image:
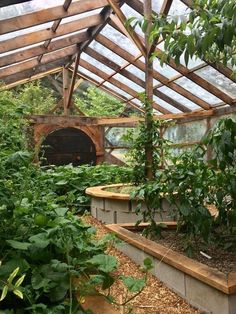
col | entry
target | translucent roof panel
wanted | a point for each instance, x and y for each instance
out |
(68, 35)
(96, 63)
(165, 70)
(197, 90)
(133, 69)
(27, 7)
(108, 53)
(80, 16)
(219, 80)
(137, 102)
(129, 83)
(181, 99)
(165, 105)
(178, 8)
(129, 12)
(116, 89)
(120, 39)
(25, 31)
(90, 74)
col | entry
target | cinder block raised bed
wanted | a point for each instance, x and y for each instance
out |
(111, 208)
(204, 287)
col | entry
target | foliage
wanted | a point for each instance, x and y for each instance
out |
(69, 183)
(97, 103)
(137, 151)
(42, 241)
(190, 184)
(207, 31)
(35, 98)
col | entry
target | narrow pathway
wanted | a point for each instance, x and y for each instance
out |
(156, 298)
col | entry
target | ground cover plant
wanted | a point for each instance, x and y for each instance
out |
(44, 245)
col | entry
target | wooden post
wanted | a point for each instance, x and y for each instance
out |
(149, 94)
(65, 89)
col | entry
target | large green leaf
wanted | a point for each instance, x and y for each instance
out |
(19, 245)
(105, 263)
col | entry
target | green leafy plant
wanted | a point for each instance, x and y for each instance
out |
(97, 103)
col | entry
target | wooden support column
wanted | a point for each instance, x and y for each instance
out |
(73, 79)
(149, 93)
(65, 90)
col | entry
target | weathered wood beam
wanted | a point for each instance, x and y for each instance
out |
(33, 63)
(110, 91)
(55, 26)
(65, 90)
(196, 78)
(140, 65)
(78, 83)
(132, 77)
(38, 50)
(47, 15)
(30, 79)
(114, 5)
(27, 74)
(60, 120)
(56, 84)
(117, 83)
(42, 35)
(94, 30)
(73, 79)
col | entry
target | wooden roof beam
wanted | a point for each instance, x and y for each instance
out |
(197, 79)
(109, 91)
(117, 83)
(42, 35)
(30, 79)
(39, 50)
(140, 65)
(131, 34)
(27, 74)
(47, 15)
(33, 63)
(55, 26)
(133, 78)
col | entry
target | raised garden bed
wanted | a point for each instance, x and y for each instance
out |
(205, 287)
(113, 207)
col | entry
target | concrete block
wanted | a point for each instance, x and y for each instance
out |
(127, 217)
(206, 297)
(97, 202)
(232, 304)
(171, 276)
(106, 217)
(116, 205)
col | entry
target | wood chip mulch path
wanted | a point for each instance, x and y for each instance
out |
(155, 298)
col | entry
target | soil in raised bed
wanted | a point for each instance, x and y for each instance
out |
(223, 260)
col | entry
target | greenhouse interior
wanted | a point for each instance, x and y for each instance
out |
(118, 156)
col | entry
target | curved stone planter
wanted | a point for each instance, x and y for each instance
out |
(111, 208)
(204, 287)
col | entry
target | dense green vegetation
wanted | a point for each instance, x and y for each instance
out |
(96, 103)
(44, 245)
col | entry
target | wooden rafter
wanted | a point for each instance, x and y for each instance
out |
(196, 78)
(118, 84)
(140, 65)
(27, 74)
(133, 36)
(33, 63)
(47, 15)
(73, 79)
(55, 26)
(31, 79)
(39, 50)
(109, 91)
(42, 35)
(132, 77)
